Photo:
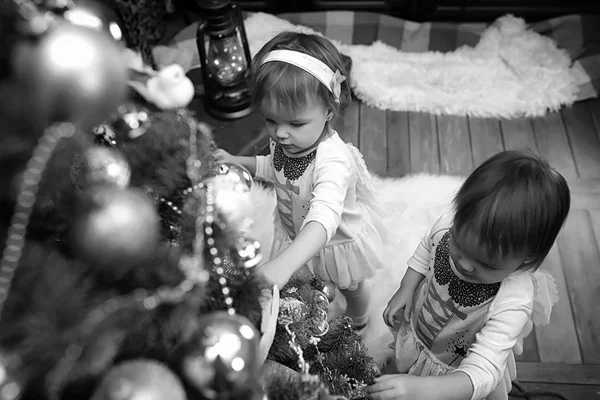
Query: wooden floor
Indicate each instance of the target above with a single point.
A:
(563, 356)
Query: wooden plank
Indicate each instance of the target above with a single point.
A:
(553, 145)
(595, 220)
(576, 374)
(486, 138)
(549, 391)
(518, 134)
(373, 138)
(594, 107)
(561, 328)
(424, 151)
(585, 193)
(578, 249)
(455, 146)
(347, 123)
(398, 143)
(583, 138)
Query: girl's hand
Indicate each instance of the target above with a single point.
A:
(402, 299)
(223, 156)
(391, 387)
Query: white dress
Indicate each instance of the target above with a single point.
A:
(328, 184)
(473, 328)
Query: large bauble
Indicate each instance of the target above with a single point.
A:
(115, 227)
(236, 173)
(75, 74)
(232, 202)
(140, 380)
(96, 16)
(222, 360)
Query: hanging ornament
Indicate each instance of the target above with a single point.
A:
(75, 74)
(246, 253)
(222, 360)
(103, 165)
(115, 226)
(236, 173)
(321, 325)
(140, 380)
(329, 290)
(233, 203)
(95, 16)
(320, 299)
(131, 120)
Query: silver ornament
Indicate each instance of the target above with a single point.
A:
(140, 379)
(246, 253)
(103, 165)
(236, 173)
(222, 360)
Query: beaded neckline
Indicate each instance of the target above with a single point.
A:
(463, 293)
(293, 167)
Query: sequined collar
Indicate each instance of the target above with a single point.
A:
(293, 167)
(463, 293)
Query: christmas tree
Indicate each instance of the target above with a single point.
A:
(127, 265)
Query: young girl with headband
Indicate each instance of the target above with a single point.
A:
(328, 216)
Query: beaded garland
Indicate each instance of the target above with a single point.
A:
(293, 167)
(463, 293)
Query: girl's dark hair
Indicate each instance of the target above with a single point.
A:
(516, 203)
(291, 87)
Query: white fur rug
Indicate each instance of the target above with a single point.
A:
(513, 71)
(413, 204)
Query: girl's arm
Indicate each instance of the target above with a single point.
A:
(246, 161)
(311, 239)
(454, 386)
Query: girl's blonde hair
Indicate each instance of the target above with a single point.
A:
(290, 87)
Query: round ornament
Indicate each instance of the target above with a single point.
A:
(103, 165)
(222, 360)
(140, 380)
(95, 16)
(329, 290)
(75, 75)
(321, 325)
(246, 253)
(232, 201)
(320, 299)
(115, 227)
(236, 173)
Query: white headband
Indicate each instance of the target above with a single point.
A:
(318, 69)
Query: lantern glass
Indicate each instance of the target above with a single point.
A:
(225, 58)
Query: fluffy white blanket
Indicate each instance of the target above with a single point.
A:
(513, 71)
(413, 204)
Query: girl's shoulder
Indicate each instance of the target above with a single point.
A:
(518, 287)
(334, 148)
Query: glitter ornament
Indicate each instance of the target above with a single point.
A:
(246, 253)
(75, 74)
(236, 173)
(115, 226)
(103, 165)
(222, 359)
(140, 380)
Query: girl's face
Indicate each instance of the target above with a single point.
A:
(472, 264)
(295, 131)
